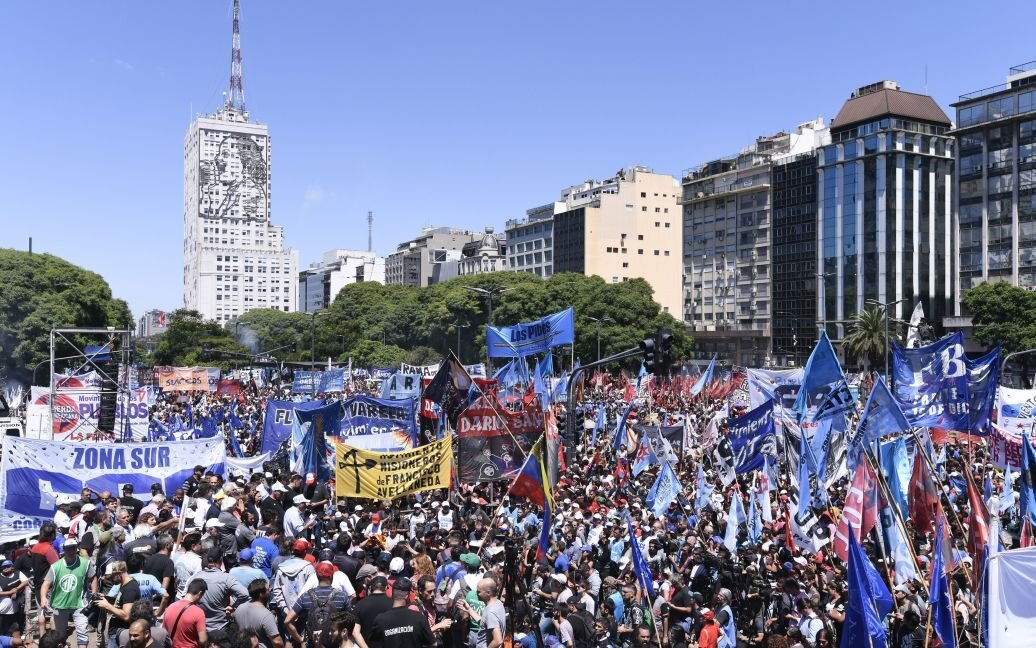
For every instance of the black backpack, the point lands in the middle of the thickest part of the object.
(582, 629)
(318, 619)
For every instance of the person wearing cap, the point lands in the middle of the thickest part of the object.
(402, 626)
(12, 601)
(710, 631)
(118, 610)
(315, 492)
(321, 596)
(72, 571)
(196, 479)
(61, 518)
(339, 580)
(295, 523)
(444, 516)
(244, 572)
(223, 591)
(271, 509)
(289, 577)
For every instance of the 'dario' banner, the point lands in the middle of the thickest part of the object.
(389, 475)
(492, 441)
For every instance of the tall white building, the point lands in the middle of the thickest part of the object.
(320, 282)
(234, 259)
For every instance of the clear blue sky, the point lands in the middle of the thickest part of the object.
(444, 113)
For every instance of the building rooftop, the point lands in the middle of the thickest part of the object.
(867, 105)
(1019, 76)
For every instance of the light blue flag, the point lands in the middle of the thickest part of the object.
(1007, 496)
(869, 601)
(939, 596)
(705, 378)
(1027, 484)
(645, 456)
(755, 521)
(600, 424)
(664, 491)
(895, 463)
(881, 416)
(900, 552)
(703, 491)
(807, 467)
(824, 392)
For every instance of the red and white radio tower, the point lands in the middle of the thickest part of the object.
(236, 98)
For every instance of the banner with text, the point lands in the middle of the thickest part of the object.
(76, 414)
(187, 379)
(531, 338)
(389, 475)
(931, 383)
(402, 386)
(378, 423)
(277, 422)
(35, 472)
(492, 441)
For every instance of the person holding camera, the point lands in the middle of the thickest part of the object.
(118, 611)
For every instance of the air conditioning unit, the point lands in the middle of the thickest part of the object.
(700, 194)
(755, 291)
(755, 256)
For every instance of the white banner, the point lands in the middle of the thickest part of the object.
(76, 414)
(36, 471)
(1012, 607)
(246, 465)
(428, 371)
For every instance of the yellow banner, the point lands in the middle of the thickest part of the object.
(388, 475)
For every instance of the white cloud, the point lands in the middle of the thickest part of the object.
(124, 65)
(313, 196)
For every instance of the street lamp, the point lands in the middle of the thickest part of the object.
(488, 294)
(459, 327)
(885, 307)
(599, 320)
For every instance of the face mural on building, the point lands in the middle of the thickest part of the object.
(234, 178)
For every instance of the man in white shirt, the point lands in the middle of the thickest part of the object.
(417, 520)
(339, 581)
(445, 517)
(295, 524)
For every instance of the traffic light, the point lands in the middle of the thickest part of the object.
(206, 351)
(665, 347)
(648, 347)
(580, 424)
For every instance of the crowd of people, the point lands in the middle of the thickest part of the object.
(277, 558)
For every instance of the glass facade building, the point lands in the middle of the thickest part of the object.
(996, 182)
(885, 227)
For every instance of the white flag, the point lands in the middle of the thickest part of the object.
(913, 339)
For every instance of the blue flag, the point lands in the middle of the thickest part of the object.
(235, 445)
(755, 520)
(703, 490)
(807, 467)
(600, 423)
(881, 416)
(824, 392)
(208, 429)
(869, 601)
(620, 428)
(939, 596)
(663, 491)
(1028, 482)
(895, 463)
(190, 417)
(705, 378)
(235, 422)
(640, 566)
(645, 456)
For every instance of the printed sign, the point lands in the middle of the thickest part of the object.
(390, 475)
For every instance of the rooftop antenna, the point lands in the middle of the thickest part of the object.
(926, 78)
(370, 231)
(236, 96)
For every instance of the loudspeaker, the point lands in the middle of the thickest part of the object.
(109, 397)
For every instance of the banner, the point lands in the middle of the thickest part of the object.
(35, 472)
(931, 383)
(390, 475)
(88, 380)
(827, 439)
(306, 382)
(1005, 447)
(654, 434)
(477, 370)
(76, 414)
(401, 386)
(310, 430)
(531, 338)
(779, 385)
(378, 424)
(187, 379)
(748, 439)
(277, 421)
(983, 376)
(1016, 408)
(228, 387)
(246, 466)
(333, 380)
(739, 395)
(492, 441)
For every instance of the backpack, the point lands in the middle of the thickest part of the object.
(442, 592)
(318, 619)
(582, 629)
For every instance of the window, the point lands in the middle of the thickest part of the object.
(640, 237)
(656, 252)
(667, 225)
(644, 208)
(972, 115)
(1027, 101)
(658, 224)
(643, 194)
(640, 251)
(667, 253)
(625, 264)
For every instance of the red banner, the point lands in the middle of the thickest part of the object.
(494, 441)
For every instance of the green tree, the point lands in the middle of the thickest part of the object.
(866, 337)
(41, 292)
(1002, 314)
(370, 353)
(182, 343)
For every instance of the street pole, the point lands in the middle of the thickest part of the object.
(598, 339)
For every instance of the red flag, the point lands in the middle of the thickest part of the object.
(923, 496)
(861, 509)
(1026, 539)
(978, 527)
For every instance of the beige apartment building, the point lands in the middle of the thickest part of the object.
(625, 227)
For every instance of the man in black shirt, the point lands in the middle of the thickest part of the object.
(400, 626)
(130, 503)
(160, 565)
(192, 482)
(119, 610)
(371, 606)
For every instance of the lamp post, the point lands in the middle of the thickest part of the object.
(599, 321)
(488, 294)
(1007, 358)
(459, 327)
(885, 307)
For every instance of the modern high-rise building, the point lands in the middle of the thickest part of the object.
(996, 182)
(152, 322)
(234, 258)
(885, 208)
(622, 228)
(729, 247)
(530, 241)
(419, 262)
(320, 282)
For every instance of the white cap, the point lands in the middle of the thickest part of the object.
(87, 508)
(300, 499)
(279, 488)
(396, 565)
(357, 508)
(228, 504)
(212, 523)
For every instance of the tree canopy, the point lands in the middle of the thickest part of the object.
(1002, 314)
(420, 325)
(40, 292)
(866, 337)
(183, 342)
